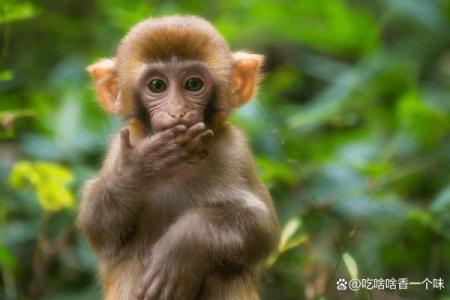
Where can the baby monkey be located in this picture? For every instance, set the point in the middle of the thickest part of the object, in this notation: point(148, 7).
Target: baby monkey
point(177, 210)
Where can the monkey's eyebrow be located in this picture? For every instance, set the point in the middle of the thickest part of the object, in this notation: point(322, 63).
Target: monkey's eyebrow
point(159, 65)
point(178, 66)
point(194, 66)
point(156, 65)
point(151, 67)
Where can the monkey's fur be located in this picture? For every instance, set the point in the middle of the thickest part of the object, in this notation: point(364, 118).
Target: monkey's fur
point(177, 211)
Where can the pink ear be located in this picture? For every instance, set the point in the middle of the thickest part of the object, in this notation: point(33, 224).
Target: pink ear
point(246, 75)
point(103, 73)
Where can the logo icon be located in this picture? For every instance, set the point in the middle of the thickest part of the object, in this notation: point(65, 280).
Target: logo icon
point(341, 284)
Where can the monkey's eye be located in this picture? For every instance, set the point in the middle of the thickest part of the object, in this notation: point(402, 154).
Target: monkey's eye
point(157, 86)
point(193, 84)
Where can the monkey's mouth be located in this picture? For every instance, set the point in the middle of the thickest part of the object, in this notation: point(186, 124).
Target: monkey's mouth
point(162, 125)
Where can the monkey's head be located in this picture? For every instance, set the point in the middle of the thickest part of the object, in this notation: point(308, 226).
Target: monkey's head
point(175, 70)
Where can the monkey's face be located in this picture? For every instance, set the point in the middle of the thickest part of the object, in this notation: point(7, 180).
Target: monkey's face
point(175, 70)
point(174, 93)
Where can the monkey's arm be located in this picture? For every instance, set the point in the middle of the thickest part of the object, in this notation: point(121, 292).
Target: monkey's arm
point(234, 235)
point(110, 206)
point(111, 202)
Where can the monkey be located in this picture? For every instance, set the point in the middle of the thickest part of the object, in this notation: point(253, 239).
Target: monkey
point(177, 211)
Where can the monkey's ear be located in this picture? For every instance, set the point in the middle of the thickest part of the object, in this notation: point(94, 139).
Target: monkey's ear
point(104, 75)
point(246, 74)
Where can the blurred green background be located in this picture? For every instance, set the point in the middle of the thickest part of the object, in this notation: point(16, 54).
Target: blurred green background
point(351, 132)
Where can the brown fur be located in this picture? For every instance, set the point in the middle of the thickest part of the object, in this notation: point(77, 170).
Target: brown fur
point(203, 229)
point(162, 38)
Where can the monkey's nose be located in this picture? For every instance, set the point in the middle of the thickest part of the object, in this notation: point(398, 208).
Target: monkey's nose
point(177, 116)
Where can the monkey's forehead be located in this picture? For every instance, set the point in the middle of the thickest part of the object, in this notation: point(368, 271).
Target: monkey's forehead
point(184, 37)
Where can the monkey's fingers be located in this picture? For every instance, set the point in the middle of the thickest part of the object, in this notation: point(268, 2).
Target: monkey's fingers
point(125, 143)
point(142, 289)
point(174, 157)
point(173, 132)
point(155, 289)
point(179, 129)
point(149, 277)
point(161, 138)
point(191, 133)
point(198, 143)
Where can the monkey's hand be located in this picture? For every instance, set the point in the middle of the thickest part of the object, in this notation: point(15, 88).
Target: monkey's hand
point(162, 150)
point(194, 142)
point(171, 275)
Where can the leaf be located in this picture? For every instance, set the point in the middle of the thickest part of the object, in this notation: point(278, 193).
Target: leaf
point(419, 119)
point(49, 182)
point(421, 216)
point(290, 238)
point(7, 260)
point(375, 169)
point(350, 264)
point(22, 174)
point(331, 100)
point(17, 12)
point(54, 197)
point(53, 172)
point(288, 231)
point(442, 201)
point(272, 171)
point(332, 26)
point(6, 75)
point(295, 241)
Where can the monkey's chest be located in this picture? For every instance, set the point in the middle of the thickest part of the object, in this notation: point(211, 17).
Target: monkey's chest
point(177, 192)
point(177, 188)
point(164, 203)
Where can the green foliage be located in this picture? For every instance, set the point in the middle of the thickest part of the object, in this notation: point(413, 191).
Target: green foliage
point(17, 11)
point(6, 75)
point(350, 129)
point(48, 180)
point(287, 240)
point(423, 122)
point(272, 171)
point(351, 265)
point(7, 261)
